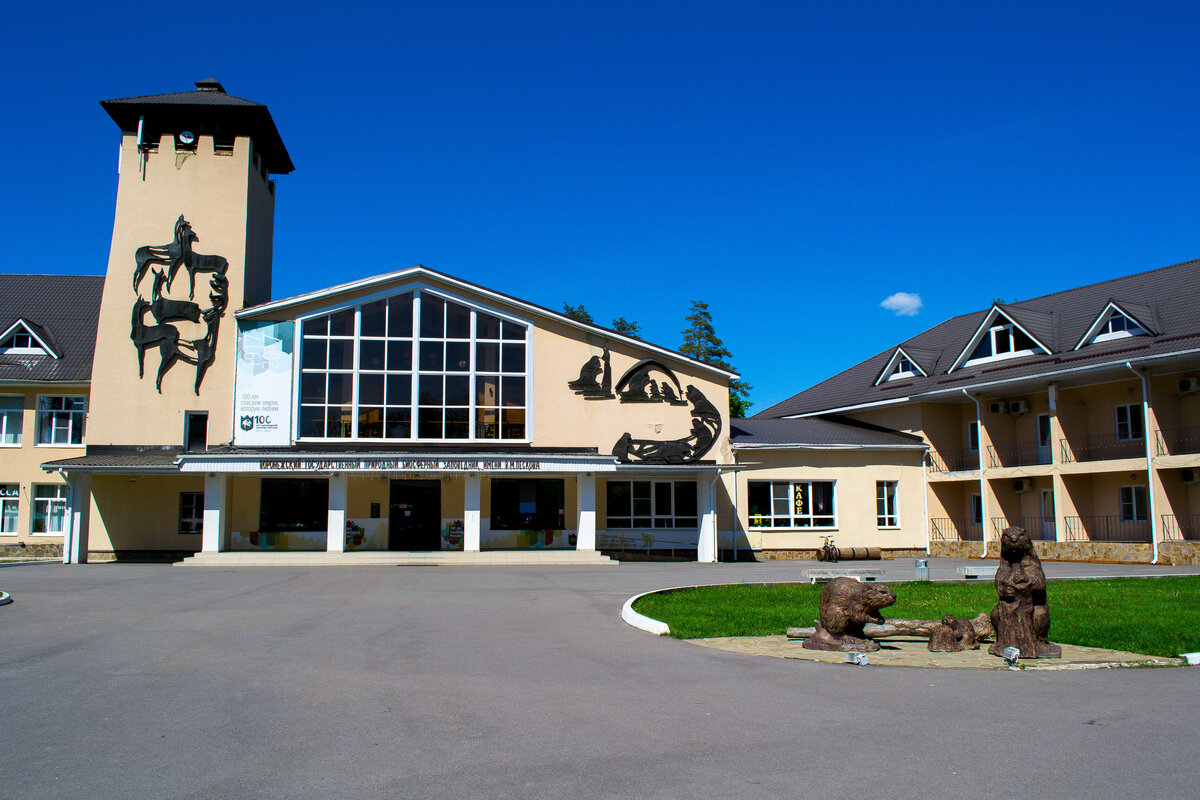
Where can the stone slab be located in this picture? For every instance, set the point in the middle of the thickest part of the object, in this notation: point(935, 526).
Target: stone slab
point(915, 653)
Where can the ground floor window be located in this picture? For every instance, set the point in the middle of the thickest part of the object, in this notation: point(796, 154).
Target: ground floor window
point(49, 508)
point(651, 504)
point(1133, 504)
point(10, 499)
point(885, 504)
point(791, 504)
point(530, 504)
point(191, 512)
point(293, 504)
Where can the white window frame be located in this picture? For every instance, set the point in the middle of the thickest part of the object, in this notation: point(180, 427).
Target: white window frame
point(30, 344)
point(1127, 435)
point(1129, 327)
point(9, 427)
point(1136, 499)
point(659, 518)
point(472, 373)
point(44, 506)
point(900, 366)
point(789, 495)
point(993, 334)
point(887, 511)
point(56, 418)
point(973, 426)
point(10, 509)
point(975, 510)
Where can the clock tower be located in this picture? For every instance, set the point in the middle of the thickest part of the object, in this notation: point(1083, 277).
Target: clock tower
point(191, 244)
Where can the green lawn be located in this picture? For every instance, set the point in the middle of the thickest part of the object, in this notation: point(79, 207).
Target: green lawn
point(1155, 616)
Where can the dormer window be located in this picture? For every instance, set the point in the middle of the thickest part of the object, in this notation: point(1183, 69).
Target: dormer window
point(1115, 323)
point(900, 366)
point(1002, 341)
point(20, 340)
point(1119, 326)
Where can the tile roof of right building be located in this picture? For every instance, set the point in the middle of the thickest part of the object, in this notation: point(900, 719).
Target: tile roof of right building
point(1169, 295)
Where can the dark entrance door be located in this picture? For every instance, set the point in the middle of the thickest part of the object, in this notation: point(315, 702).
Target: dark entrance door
point(415, 520)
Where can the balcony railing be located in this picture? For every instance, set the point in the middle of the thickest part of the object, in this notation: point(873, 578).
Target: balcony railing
point(1177, 441)
point(1181, 527)
point(958, 529)
point(1100, 448)
point(953, 460)
point(1036, 527)
point(1106, 529)
point(1021, 454)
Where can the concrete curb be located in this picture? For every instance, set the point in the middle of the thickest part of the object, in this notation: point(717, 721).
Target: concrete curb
point(641, 621)
point(31, 561)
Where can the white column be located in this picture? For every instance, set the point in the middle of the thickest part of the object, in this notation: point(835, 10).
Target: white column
point(75, 543)
point(706, 547)
point(585, 502)
point(212, 539)
point(471, 503)
point(335, 537)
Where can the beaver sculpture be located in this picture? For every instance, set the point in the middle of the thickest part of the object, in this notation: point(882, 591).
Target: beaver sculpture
point(1021, 616)
point(846, 606)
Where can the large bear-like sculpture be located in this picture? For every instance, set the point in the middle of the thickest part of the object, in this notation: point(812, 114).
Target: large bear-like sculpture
point(846, 606)
point(1021, 616)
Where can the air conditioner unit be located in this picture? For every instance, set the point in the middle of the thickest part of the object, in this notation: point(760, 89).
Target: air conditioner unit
point(1189, 475)
point(998, 407)
point(1018, 407)
point(1189, 385)
point(1022, 485)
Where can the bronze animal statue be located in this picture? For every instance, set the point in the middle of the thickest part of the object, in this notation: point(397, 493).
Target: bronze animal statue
point(846, 606)
point(952, 635)
point(1021, 616)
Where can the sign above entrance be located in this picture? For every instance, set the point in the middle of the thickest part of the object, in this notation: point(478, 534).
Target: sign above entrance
point(399, 463)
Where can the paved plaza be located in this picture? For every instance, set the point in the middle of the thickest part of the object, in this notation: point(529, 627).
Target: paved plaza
point(150, 681)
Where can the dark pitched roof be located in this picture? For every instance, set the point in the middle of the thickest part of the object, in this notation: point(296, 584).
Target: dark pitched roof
point(206, 111)
point(1170, 294)
point(817, 433)
point(67, 308)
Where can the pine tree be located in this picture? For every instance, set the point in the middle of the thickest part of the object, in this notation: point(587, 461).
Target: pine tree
point(700, 341)
point(577, 312)
point(627, 327)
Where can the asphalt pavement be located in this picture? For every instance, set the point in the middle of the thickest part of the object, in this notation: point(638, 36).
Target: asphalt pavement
point(148, 681)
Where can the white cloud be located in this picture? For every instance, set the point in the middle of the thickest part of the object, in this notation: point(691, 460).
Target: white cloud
point(905, 304)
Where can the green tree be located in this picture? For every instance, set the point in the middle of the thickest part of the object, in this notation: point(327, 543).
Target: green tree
point(627, 327)
point(577, 312)
point(700, 341)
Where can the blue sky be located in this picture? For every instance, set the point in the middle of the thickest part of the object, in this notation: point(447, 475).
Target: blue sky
point(793, 164)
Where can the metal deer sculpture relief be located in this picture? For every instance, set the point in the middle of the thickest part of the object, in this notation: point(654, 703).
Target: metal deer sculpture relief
point(182, 330)
point(641, 385)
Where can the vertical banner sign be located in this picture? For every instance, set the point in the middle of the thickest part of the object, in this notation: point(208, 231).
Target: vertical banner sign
point(263, 384)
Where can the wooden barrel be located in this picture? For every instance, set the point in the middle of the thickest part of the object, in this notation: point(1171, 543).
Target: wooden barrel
point(861, 553)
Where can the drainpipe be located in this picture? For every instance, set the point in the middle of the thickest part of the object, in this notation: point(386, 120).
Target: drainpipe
point(983, 517)
point(925, 495)
point(1149, 461)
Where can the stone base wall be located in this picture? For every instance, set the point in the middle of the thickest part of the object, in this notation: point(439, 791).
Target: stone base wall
point(811, 555)
point(108, 556)
point(47, 550)
point(1169, 553)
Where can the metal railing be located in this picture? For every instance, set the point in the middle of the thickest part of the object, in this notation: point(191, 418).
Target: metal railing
point(953, 460)
point(1106, 529)
point(1019, 454)
point(1177, 441)
point(1180, 527)
point(1100, 448)
point(955, 529)
point(1036, 527)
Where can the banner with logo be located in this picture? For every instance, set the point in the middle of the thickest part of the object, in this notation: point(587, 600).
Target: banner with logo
point(262, 408)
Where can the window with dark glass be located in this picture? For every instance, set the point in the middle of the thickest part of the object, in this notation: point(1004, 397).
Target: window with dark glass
point(651, 504)
point(1129, 422)
point(534, 504)
point(413, 366)
point(191, 512)
point(791, 504)
point(293, 504)
point(886, 515)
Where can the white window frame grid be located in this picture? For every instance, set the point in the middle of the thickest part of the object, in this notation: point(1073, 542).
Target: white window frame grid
point(1135, 498)
point(10, 508)
point(658, 520)
point(1128, 435)
point(415, 372)
point(1128, 327)
point(790, 499)
point(54, 499)
point(12, 420)
point(887, 512)
point(56, 417)
point(196, 519)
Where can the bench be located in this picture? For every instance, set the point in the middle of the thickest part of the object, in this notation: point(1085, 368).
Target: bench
point(972, 573)
point(814, 575)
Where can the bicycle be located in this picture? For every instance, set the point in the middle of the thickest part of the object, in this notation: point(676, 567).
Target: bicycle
point(828, 551)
